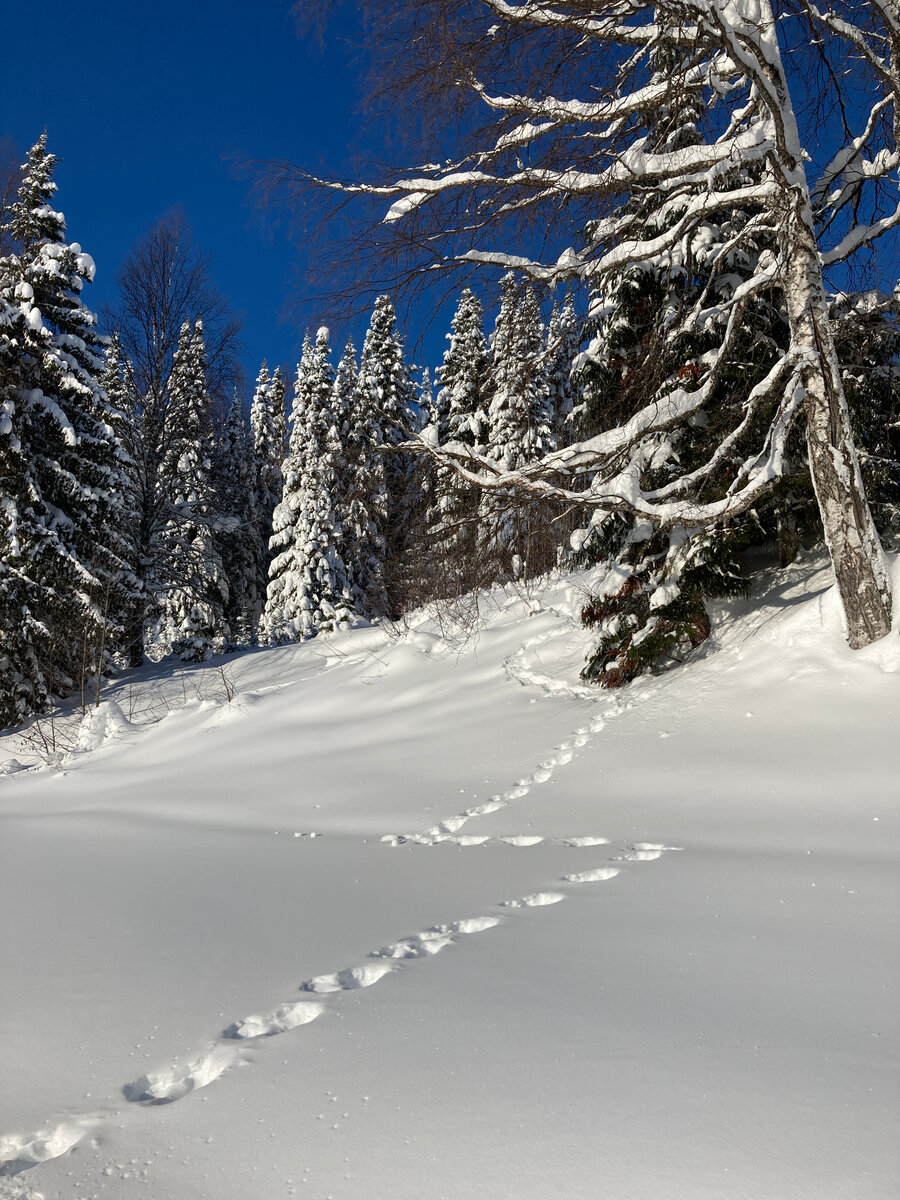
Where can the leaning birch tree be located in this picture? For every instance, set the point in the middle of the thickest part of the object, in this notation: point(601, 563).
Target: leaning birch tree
point(564, 102)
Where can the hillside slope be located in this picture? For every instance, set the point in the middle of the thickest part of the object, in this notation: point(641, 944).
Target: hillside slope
point(422, 916)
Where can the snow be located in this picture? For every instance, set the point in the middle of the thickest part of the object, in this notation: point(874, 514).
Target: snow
point(684, 896)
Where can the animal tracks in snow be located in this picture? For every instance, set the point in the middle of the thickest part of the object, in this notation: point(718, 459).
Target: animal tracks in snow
point(536, 900)
point(518, 840)
point(20, 1152)
point(519, 668)
point(432, 941)
point(287, 1016)
point(175, 1082)
point(644, 852)
point(448, 829)
point(348, 980)
point(597, 875)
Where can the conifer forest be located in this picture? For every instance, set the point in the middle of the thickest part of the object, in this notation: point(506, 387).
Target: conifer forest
point(556, 561)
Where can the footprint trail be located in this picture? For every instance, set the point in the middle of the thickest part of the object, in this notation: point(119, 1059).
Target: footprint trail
point(597, 875)
point(175, 1082)
point(287, 1016)
point(348, 980)
point(21, 1152)
point(448, 829)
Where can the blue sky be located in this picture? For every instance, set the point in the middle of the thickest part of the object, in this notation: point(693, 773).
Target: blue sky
point(150, 106)
point(146, 104)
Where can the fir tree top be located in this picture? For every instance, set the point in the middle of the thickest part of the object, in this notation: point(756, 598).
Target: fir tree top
point(33, 220)
point(384, 377)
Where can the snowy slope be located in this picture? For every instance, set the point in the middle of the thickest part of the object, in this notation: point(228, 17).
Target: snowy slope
point(423, 916)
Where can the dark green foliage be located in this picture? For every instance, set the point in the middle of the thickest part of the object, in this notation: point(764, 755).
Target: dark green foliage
point(65, 582)
point(867, 333)
point(637, 631)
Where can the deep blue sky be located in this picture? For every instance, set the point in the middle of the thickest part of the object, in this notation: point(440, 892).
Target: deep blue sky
point(149, 106)
point(146, 103)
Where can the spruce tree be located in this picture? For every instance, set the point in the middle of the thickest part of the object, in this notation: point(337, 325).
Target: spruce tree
point(386, 413)
point(650, 609)
point(563, 340)
point(460, 419)
point(239, 539)
point(464, 383)
point(268, 435)
point(193, 586)
point(867, 334)
point(24, 649)
point(513, 532)
point(118, 386)
point(359, 498)
point(67, 580)
point(309, 589)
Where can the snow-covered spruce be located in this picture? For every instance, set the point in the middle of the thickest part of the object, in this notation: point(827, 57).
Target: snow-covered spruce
point(459, 418)
point(239, 539)
point(385, 404)
point(193, 589)
point(513, 532)
point(829, 192)
point(65, 584)
point(564, 335)
point(268, 433)
point(360, 502)
point(309, 589)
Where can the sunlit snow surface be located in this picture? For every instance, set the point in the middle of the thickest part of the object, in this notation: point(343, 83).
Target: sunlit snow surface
point(421, 916)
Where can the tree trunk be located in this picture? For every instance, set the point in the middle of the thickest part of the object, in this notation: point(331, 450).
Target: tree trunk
point(860, 567)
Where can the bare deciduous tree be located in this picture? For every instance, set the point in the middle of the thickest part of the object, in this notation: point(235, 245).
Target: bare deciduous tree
point(563, 107)
point(165, 282)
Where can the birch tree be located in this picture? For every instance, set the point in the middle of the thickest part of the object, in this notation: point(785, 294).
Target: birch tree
point(560, 98)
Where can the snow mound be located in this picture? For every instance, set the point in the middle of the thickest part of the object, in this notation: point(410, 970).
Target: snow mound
point(421, 945)
point(174, 1083)
point(536, 900)
point(99, 725)
point(597, 875)
point(20, 1152)
point(348, 980)
point(288, 1016)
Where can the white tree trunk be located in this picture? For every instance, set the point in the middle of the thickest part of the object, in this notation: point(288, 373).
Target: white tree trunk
point(860, 567)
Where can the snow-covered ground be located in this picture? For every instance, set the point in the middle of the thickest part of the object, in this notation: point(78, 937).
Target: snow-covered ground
point(419, 916)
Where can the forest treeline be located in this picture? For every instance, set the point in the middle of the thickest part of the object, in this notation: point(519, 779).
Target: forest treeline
point(147, 507)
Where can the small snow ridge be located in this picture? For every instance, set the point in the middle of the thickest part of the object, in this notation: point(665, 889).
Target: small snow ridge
point(99, 725)
point(21, 1152)
point(521, 665)
point(644, 852)
point(449, 826)
point(421, 945)
point(597, 875)
point(537, 900)
point(578, 842)
point(482, 810)
point(164, 1087)
point(522, 839)
point(348, 980)
point(467, 925)
point(432, 941)
point(288, 1016)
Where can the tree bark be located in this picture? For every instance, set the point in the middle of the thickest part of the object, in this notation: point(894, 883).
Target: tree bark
point(860, 566)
